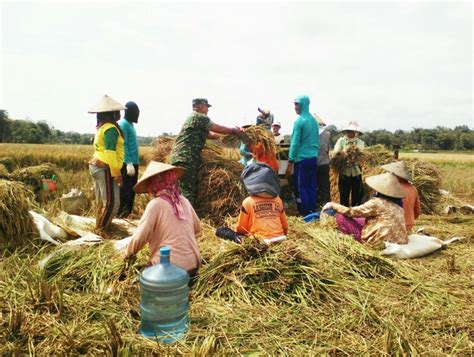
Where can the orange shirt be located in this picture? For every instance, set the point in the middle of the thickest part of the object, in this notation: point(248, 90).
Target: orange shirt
point(261, 156)
point(411, 204)
point(262, 217)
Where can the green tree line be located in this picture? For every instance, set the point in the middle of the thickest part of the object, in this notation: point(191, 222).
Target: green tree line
point(27, 131)
point(439, 138)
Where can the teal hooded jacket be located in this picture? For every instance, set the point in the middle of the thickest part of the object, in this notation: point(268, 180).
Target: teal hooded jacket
point(305, 136)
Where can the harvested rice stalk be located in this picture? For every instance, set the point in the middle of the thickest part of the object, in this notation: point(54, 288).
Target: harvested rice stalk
point(16, 223)
point(8, 162)
point(33, 175)
point(3, 171)
point(254, 134)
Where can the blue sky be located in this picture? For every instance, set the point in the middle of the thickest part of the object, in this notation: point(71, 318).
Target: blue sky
point(392, 65)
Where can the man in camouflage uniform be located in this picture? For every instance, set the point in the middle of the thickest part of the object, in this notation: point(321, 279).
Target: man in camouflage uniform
point(186, 151)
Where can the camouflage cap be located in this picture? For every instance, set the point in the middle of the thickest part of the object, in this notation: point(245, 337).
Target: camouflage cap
point(198, 101)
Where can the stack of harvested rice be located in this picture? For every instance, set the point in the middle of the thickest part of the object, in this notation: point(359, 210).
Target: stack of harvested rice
point(8, 163)
point(425, 176)
point(16, 224)
point(3, 171)
point(33, 175)
point(220, 192)
point(253, 134)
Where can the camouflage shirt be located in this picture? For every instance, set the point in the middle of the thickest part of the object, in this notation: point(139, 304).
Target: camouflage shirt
point(191, 139)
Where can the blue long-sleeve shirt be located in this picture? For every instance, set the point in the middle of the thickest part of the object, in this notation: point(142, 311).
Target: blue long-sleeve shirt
point(131, 142)
point(305, 136)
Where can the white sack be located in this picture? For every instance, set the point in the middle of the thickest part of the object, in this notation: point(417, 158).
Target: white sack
point(417, 246)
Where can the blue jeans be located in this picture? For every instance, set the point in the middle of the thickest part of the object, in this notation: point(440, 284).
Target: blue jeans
point(306, 186)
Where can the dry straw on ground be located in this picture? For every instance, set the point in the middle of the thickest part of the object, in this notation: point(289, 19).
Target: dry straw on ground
point(318, 292)
point(16, 224)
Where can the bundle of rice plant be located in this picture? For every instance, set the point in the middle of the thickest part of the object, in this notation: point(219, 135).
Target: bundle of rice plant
point(253, 134)
point(8, 162)
point(33, 175)
point(16, 224)
point(220, 192)
point(3, 171)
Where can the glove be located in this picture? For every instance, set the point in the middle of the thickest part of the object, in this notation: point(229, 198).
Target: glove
point(327, 206)
point(130, 170)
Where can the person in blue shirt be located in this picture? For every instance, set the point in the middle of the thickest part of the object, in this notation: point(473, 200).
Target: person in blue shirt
point(303, 157)
point(130, 164)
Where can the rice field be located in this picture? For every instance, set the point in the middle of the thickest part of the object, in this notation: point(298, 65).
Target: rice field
point(318, 293)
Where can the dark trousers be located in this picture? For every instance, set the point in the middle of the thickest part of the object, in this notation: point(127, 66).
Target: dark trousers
point(305, 182)
point(324, 186)
point(350, 186)
point(189, 182)
point(127, 196)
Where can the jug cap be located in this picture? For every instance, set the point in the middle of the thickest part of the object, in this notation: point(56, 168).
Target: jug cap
point(165, 251)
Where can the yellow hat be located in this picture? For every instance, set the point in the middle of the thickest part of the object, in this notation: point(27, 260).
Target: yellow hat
point(154, 168)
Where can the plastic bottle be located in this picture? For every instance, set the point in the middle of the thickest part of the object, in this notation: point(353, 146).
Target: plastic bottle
point(164, 300)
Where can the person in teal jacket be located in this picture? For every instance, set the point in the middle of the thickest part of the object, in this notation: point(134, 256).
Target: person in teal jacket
point(130, 164)
point(303, 157)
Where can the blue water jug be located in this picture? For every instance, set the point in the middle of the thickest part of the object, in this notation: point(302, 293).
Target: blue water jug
point(164, 300)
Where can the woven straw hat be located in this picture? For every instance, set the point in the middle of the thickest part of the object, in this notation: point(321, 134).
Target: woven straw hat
point(352, 126)
point(319, 119)
point(106, 104)
point(154, 168)
point(387, 184)
point(398, 169)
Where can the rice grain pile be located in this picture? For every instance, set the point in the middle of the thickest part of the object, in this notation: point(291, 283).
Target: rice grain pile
point(16, 224)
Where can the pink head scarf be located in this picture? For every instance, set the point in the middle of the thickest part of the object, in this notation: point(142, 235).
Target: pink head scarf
point(165, 186)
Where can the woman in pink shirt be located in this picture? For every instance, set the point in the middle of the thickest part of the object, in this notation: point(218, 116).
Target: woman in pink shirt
point(168, 220)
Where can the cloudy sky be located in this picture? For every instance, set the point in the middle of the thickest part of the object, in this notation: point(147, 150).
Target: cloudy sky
point(392, 65)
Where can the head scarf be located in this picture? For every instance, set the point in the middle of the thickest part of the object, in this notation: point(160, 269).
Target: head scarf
point(132, 112)
point(165, 186)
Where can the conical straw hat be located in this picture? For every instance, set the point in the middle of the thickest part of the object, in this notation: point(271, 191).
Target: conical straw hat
point(398, 169)
point(352, 126)
point(387, 184)
point(106, 104)
point(154, 168)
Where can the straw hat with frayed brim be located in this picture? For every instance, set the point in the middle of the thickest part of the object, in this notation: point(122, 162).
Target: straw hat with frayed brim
point(154, 168)
point(352, 126)
point(106, 104)
point(399, 169)
point(387, 184)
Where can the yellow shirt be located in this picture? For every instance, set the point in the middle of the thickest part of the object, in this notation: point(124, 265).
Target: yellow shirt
point(113, 158)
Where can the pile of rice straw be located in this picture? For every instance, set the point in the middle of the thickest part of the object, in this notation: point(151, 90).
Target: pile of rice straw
point(33, 176)
point(16, 224)
point(319, 292)
point(8, 162)
point(3, 171)
point(425, 176)
point(220, 191)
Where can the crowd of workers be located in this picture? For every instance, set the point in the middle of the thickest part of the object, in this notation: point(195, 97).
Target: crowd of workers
point(169, 218)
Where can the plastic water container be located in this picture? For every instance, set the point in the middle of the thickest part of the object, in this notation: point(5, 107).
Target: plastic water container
point(164, 300)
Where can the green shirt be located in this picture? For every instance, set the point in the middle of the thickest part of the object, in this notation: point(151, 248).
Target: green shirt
point(341, 145)
point(191, 139)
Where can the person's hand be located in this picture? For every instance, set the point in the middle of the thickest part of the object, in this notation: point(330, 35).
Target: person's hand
point(289, 169)
point(327, 206)
point(118, 180)
point(130, 170)
point(237, 131)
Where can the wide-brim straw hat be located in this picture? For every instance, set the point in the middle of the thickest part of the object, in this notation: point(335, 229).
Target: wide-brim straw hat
point(398, 169)
point(319, 119)
point(154, 168)
point(352, 126)
point(106, 104)
point(387, 184)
